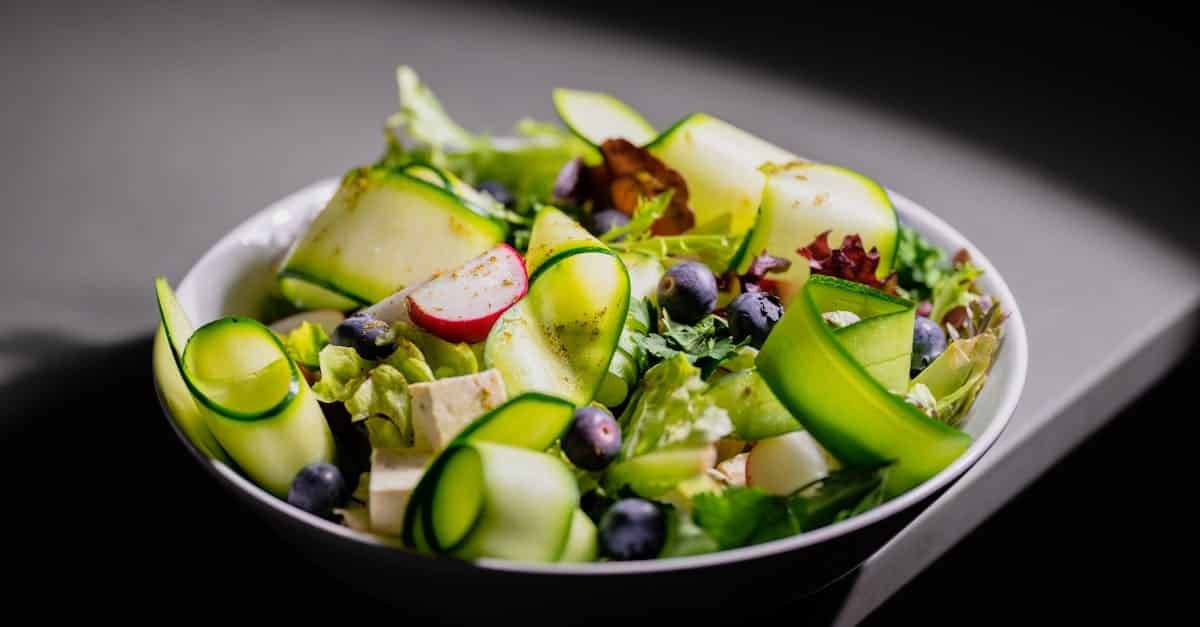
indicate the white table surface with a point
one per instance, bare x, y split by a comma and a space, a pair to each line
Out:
134, 138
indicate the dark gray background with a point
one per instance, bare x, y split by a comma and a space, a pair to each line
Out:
134, 134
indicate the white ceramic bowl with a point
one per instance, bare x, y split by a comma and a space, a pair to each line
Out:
236, 273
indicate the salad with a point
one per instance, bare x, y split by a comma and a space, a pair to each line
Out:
595, 341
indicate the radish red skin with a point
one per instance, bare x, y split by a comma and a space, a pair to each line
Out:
432, 309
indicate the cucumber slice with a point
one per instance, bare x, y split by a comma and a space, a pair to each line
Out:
554, 235
447, 180
883, 345
255, 402
595, 117
383, 230
174, 330
532, 420
881, 341
838, 401
527, 502
560, 338
755, 412
581, 540
720, 163
653, 474
802, 200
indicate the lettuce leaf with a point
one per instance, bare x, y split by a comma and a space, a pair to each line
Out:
304, 344
444, 359
672, 411
955, 289
383, 393
422, 131
342, 371
383, 433
410, 361
711, 249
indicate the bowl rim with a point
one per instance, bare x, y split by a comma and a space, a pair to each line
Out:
1015, 342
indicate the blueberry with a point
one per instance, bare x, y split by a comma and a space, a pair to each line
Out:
688, 291
373, 339
753, 315
633, 529
498, 191
593, 439
929, 341
317, 489
602, 222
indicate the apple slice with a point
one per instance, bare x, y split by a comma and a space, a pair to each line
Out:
462, 305
785, 463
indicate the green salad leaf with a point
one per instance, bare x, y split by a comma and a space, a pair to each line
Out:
920, 265
742, 516
383, 393
705, 344
733, 517
444, 359
342, 371
684, 536
383, 433
711, 249
638, 227
955, 289
422, 131
672, 411
304, 344
410, 361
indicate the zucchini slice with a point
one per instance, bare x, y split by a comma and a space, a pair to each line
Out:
383, 230
581, 540
172, 336
255, 401
881, 341
755, 412
595, 117
802, 200
839, 402
532, 421
653, 474
493, 500
554, 234
560, 338
720, 163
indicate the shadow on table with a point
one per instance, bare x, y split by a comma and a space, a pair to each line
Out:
104, 479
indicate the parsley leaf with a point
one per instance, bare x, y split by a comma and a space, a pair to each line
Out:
705, 344
741, 516
919, 265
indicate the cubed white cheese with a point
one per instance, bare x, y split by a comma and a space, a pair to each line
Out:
440, 409
394, 474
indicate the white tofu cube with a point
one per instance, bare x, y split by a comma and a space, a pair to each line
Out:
440, 409
394, 474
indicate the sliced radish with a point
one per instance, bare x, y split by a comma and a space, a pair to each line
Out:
462, 305
785, 463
